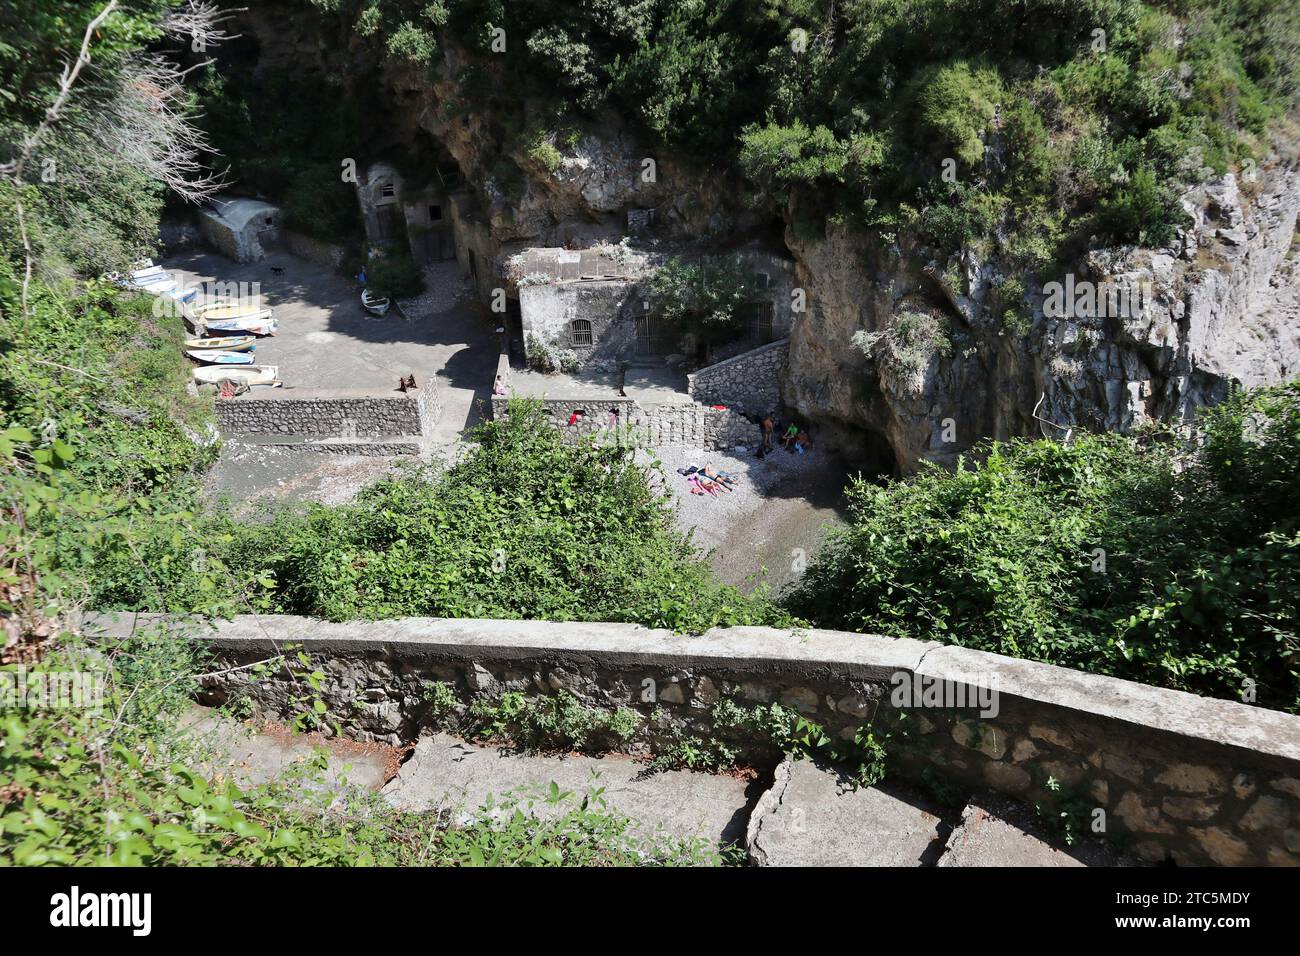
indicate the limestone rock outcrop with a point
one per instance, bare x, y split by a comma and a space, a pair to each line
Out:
1220, 307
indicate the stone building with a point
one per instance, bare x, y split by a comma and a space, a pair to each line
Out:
593, 303
394, 212
240, 228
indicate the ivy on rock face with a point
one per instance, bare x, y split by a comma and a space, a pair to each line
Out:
1032, 125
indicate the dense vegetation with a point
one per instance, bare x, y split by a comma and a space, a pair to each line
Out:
100, 209
101, 449
1170, 567
705, 297
524, 527
1107, 554
99, 452
285, 137
1055, 120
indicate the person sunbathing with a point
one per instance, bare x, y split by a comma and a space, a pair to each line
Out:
704, 485
722, 478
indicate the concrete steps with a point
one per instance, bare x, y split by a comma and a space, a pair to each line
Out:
446, 772
256, 753
813, 817
993, 831
810, 814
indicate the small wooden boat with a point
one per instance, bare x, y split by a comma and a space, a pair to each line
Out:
154, 279
220, 357
266, 326
210, 312
247, 374
373, 303
226, 343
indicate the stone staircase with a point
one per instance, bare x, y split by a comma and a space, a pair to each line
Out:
808, 815
812, 816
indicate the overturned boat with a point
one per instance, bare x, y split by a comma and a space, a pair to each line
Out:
251, 326
245, 374
224, 343
152, 279
221, 357
223, 311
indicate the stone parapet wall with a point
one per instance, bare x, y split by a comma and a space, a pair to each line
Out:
1171, 776
749, 382
331, 413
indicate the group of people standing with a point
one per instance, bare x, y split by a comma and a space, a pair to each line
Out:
794, 438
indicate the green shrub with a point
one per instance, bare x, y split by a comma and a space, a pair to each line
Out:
956, 102
1089, 555
395, 274
704, 297
544, 152
1142, 211
525, 526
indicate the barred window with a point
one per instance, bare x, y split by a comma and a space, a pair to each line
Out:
580, 332
761, 316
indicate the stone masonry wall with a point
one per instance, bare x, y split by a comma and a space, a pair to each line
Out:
651, 424
332, 413
313, 250
547, 312
1173, 776
749, 382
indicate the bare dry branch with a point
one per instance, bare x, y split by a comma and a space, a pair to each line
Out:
199, 22
69, 78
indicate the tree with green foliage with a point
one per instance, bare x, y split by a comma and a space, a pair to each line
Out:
1147, 559
703, 297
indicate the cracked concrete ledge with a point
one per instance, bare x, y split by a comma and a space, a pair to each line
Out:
758, 650
767, 806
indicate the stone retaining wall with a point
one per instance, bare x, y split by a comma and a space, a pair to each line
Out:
313, 250
651, 424
749, 382
1170, 776
331, 413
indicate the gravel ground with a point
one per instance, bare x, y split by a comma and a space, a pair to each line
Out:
781, 504
256, 475
443, 290
714, 517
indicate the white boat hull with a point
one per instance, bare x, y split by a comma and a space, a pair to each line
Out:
248, 374
267, 326
219, 357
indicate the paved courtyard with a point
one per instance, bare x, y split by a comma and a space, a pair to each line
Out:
649, 386
327, 340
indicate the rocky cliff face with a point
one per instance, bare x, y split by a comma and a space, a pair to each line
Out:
1220, 307
595, 176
